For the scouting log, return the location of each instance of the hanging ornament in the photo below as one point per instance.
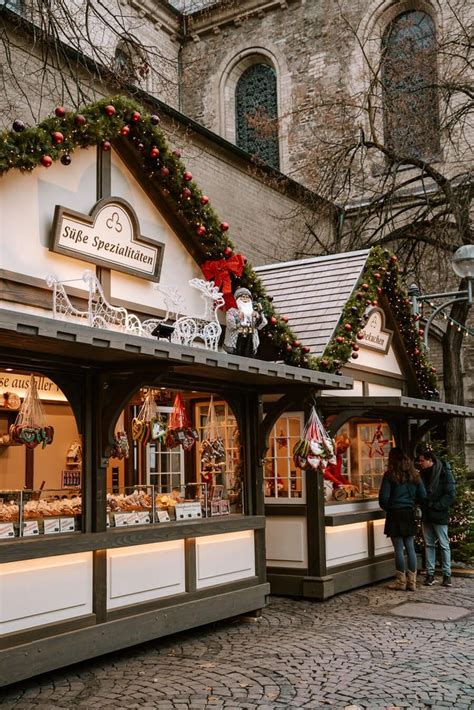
(110, 110)
(46, 161)
(60, 111)
(80, 120)
(315, 449)
(57, 137)
(136, 116)
(18, 126)
(186, 193)
(155, 120)
(30, 425)
(66, 159)
(224, 226)
(125, 130)
(148, 425)
(154, 152)
(201, 230)
(204, 200)
(121, 447)
(179, 431)
(106, 146)
(187, 176)
(164, 171)
(377, 444)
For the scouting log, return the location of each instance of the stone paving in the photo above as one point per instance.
(348, 652)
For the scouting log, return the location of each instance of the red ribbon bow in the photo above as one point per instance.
(220, 270)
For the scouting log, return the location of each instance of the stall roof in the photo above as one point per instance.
(408, 406)
(313, 292)
(36, 336)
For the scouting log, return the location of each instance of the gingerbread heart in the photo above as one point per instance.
(137, 429)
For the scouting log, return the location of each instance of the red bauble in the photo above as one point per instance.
(57, 137)
(421, 332)
(339, 339)
(285, 318)
(434, 370)
(201, 230)
(60, 111)
(273, 320)
(110, 110)
(164, 172)
(354, 356)
(368, 303)
(377, 276)
(80, 120)
(393, 259)
(379, 290)
(46, 161)
(360, 295)
(416, 352)
(204, 200)
(360, 335)
(106, 145)
(324, 364)
(348, 327)
(289, 347)
(224, 226)
(306, 349)
(296, 343)
(136, 117)
(355, 347)
(187, 176)
(228, 251)
(186, 193)
(375, 302)
(154, 152)
(365, 287)
(125, 130)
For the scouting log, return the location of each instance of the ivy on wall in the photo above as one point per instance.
(119, 118)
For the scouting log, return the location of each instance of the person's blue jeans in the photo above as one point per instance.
(431, 533)
(399, 545)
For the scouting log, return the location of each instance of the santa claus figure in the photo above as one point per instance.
(243, 324)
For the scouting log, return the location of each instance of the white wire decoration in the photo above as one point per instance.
(205, 328)
(101, 314)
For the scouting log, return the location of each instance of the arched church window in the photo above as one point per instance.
(256, 112)
(410, 106)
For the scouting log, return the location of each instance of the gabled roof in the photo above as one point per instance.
(313, 293)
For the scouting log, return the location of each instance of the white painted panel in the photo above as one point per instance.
(382, 544)
(286, 541)
(144, 572)
(27, 203)
(224, 558)
(386, 363)
(355, 507)
(36, 592)
(178, 266)
(355, 391)
(382, 390)
(346, 543)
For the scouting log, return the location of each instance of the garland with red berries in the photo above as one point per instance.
(379, 278)
(119, 118)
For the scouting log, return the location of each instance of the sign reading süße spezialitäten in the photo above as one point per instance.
(109, 236)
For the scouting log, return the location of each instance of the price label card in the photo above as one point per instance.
(143, 517)
(7, 530)
(51, 526)
(163, 516)
(67, 525)
(30, 527)
(185, 511)
(121, 519)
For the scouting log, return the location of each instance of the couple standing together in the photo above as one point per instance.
(433, 489)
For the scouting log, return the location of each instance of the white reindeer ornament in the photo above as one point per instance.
(206, 328)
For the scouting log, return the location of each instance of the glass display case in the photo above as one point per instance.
(144, 505)
(29, 513)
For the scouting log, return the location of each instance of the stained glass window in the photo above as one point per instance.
(257, 113)
(411, 120)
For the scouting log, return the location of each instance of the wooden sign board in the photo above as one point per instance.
(375, 335)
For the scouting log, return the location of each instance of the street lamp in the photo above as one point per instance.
(463, 266)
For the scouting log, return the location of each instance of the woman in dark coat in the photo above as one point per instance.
(401, 490)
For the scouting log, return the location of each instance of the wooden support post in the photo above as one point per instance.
(104, 189)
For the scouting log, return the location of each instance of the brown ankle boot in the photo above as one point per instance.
(411, 581)
(400, 582)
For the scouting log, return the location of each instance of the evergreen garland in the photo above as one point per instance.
(119, 118)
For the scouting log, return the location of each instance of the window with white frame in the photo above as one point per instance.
(164, 467)
(283, 481)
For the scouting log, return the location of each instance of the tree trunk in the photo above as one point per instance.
(453, 379)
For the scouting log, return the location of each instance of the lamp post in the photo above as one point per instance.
(463, 266)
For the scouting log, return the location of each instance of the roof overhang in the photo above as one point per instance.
(394, 406)
(39, 339)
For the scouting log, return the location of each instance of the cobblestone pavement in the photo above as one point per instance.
(346, 652)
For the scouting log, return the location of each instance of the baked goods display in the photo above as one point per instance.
(52, 508)
(40, 512)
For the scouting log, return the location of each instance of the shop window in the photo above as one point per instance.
(362, 449)
(165, 477)
(40, 459)
(410, 102)
(256, 111)
(283, 481)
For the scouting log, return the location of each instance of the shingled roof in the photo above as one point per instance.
(313, 292)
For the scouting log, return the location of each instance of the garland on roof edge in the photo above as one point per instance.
(119, 118)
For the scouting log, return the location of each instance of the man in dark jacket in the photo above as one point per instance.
(441, 490)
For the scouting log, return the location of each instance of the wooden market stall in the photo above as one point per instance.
(325, 532)
(124, 515)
